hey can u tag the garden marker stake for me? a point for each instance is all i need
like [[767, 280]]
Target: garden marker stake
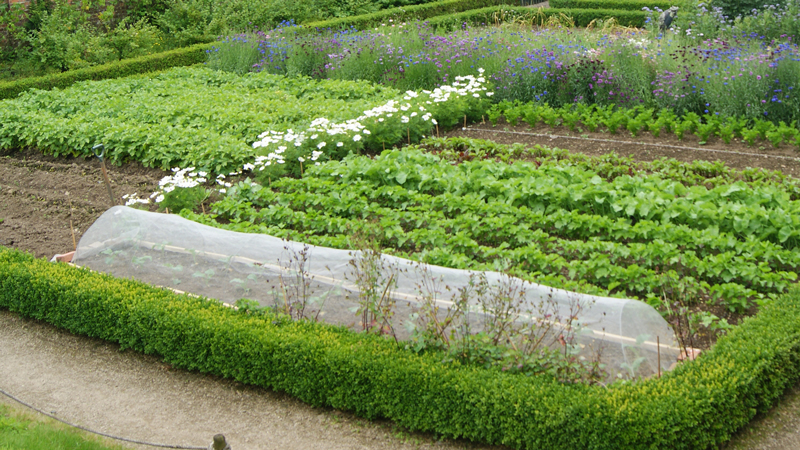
[[100, 155], [71, 226]]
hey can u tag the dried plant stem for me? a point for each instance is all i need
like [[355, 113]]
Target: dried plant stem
[[658, 346]]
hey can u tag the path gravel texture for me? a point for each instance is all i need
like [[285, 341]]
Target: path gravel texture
[[91, 383]]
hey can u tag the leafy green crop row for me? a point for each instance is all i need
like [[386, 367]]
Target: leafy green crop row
[[548, 221], [181, 117], [697, 405], [640, 119]]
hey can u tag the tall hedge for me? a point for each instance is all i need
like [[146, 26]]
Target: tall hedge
[[407, 13], [696, 406], [499, 14], [627, 5], [186, 56]]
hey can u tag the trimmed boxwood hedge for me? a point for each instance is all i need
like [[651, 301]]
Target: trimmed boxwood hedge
[[493, 14], [405, 13], [185, 56], [698, 405], [628, 5]]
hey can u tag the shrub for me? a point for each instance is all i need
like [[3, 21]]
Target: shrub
[[418, 12], [180, 57], [627, 5], [501, 14]]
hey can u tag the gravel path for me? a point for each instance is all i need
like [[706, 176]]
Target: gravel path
[[91, 383]]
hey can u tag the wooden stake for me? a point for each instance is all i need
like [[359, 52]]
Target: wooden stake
[[437, 130], [409, 135], [658, 346], [167, 210], [465, 121], [203, 208], [71, 226]]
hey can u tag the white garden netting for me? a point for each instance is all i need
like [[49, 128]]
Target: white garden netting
[[628, 336]]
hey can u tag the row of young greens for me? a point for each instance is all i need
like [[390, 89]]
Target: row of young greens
[[601, 226], [702, 402], [686, 71], [640, 119]]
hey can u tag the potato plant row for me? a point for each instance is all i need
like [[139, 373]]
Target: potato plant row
[[182, 117]]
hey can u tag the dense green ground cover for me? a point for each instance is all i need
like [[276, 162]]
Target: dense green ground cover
[[181, 117]]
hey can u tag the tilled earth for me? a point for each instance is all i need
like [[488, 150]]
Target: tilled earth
[[45, 201], [40, 196]]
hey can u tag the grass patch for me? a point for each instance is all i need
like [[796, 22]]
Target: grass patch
[[22, 430]]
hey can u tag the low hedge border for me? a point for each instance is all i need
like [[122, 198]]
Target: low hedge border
[[698, 405], [405, 13], [627, 5], [500, 14], [185, 56]]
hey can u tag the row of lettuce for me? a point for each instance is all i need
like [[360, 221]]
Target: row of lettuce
[[697, 405]]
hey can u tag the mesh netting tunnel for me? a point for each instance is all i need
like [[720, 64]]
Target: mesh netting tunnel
[[628, 336]]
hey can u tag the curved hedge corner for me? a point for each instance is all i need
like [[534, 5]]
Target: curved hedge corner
[[696, 406], [499, 14], [185, 56], [404, 13]]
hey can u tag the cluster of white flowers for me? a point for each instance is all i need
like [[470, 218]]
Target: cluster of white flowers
[[181, 178], [327, 133], [462, 86], [132, 199], [639, 43], [275, 137], [592, 53]]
